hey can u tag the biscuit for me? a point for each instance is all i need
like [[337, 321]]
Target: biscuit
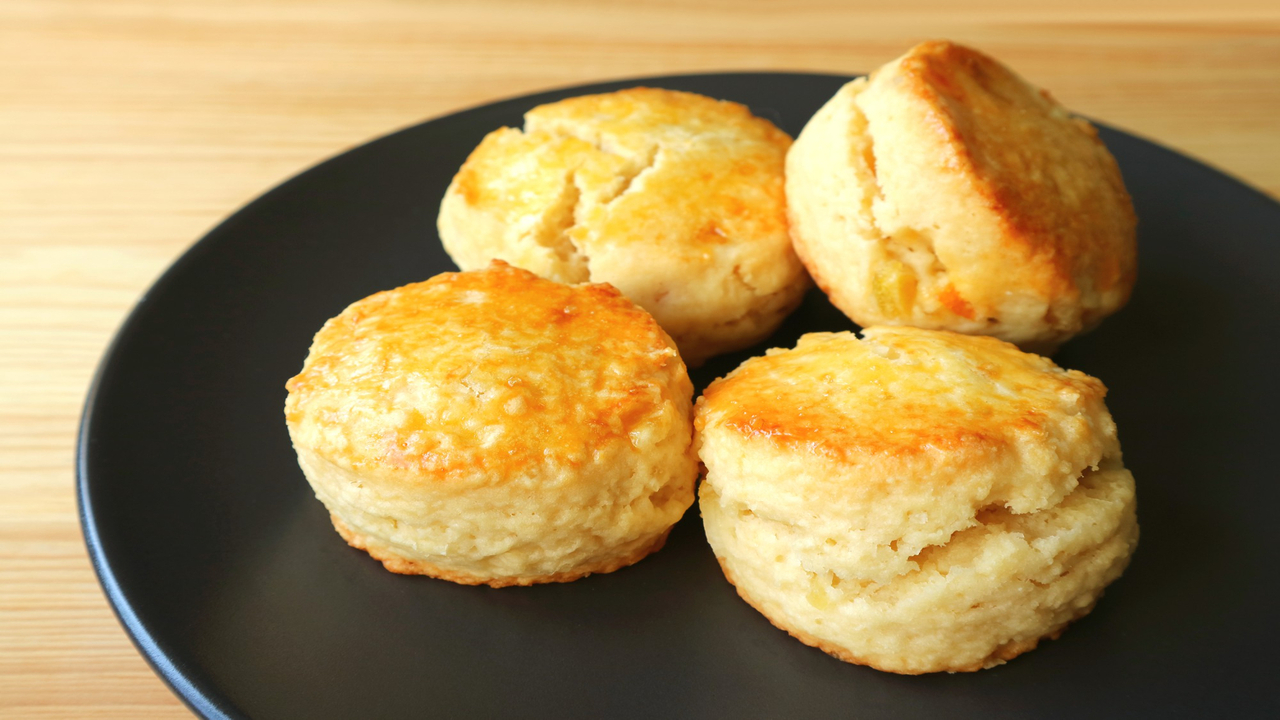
[[493, 427], [676, 199], [916, 501], [946, 192]]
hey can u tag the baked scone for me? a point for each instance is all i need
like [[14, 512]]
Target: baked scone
[[946, 192], [673, 198], [492, 427], [916, 501]]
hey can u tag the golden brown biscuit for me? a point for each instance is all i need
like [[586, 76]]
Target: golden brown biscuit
[[916, 501], [494, 427], [674, 198], [946, 192]]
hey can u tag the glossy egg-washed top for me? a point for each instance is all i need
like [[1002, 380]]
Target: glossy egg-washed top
[[483, 374], [905, 394]]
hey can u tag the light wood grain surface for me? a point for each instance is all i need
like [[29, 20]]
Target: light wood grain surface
[[128, 128]]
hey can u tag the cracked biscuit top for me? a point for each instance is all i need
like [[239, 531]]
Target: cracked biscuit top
[[947, 192], [485, 376], [674, 198]]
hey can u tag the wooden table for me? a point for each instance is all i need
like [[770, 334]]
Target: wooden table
[[128, 128]]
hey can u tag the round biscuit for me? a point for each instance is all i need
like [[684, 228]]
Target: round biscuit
[[674, 198], [946, 192], [495, 427], [916, 500]]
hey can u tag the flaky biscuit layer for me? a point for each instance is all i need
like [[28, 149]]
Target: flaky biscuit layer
[[917, 500]]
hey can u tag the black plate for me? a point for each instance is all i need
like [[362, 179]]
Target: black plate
[[225, 571]]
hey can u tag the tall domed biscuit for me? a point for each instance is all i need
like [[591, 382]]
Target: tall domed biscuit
[[676, 199], [916, 501], [494, 427], [946, 192]]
